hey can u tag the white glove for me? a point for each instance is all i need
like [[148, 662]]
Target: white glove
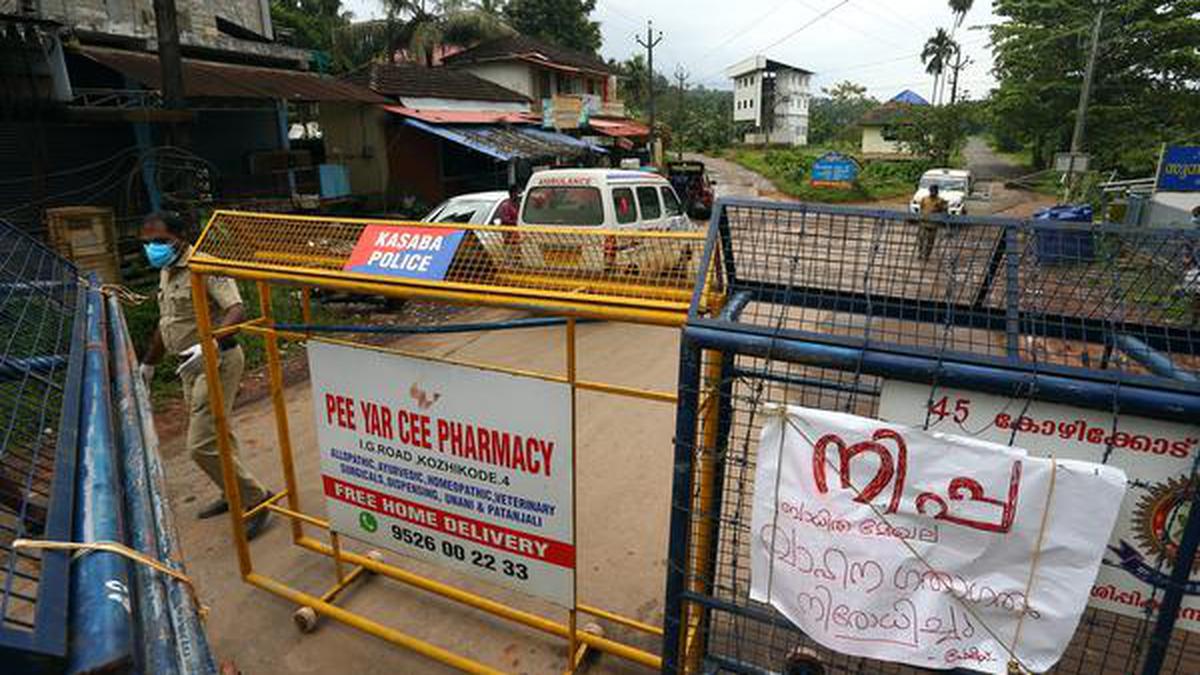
[[146, 372], [193, 361]]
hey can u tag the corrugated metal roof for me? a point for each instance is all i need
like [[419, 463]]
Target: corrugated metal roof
[[464, 116], [505, 142], [209, 79], [411, 80]]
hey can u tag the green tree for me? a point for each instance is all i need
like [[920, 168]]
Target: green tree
[[935, 133], [631, 85], [960, 9], [939, 50], [418, 27], [312, 23], [1144, 90], [566, 23], [706, 122], [834, 115]]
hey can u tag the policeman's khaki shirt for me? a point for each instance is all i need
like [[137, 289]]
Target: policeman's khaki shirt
[[177, 316]]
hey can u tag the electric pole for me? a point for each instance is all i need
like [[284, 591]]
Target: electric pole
[[170, 58], [1085, 95], [959, 64], [1085, 92], [681, 75], [651, 42]]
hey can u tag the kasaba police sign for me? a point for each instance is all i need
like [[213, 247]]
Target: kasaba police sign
[[465, 468], [411, 251]]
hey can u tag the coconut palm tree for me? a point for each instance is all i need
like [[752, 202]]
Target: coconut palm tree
[[960, 9], [418, 27], [936, 56]]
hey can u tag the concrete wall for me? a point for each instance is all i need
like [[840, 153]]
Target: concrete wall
[[874, 143], [356, 135], [747, 98], [1171, 209], [135, 18], [458, 104], [512, 75]]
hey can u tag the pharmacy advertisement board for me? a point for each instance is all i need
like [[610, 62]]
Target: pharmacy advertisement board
[[1156, 456], [465, 468]]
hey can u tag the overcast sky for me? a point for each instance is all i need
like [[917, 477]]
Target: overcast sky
[[871, 42]]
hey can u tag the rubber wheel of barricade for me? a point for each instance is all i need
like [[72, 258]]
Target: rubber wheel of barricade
[[306, 619]]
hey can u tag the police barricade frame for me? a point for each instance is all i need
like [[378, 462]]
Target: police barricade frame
[[273, 249], [713, 342]]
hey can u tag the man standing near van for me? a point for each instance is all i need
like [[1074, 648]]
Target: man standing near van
[[931, 204], [510, 209], [177, 332]]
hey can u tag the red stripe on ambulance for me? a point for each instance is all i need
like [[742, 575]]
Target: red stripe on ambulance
[[493, 536]]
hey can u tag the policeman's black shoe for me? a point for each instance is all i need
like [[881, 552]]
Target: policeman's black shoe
[[214, 509], [258, 522]]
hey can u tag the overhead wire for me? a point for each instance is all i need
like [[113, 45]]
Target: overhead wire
[[742, 31], [787, 37]]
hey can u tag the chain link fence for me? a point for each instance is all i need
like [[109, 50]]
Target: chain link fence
[[39, 383], [973, 326]]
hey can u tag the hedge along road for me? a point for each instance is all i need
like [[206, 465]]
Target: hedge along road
[[624, 482]]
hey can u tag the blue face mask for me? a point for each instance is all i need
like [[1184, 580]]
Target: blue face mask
[[159, 254]]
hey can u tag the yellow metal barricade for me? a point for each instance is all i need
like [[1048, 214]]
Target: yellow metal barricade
[[636, 277]]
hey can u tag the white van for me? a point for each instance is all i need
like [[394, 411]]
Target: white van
[[954, 185], [603, 199]]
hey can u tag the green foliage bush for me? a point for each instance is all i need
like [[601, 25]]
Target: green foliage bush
[[789, 169]]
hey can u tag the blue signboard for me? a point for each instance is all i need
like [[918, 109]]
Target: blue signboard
[[1179, 170], [834, 168]]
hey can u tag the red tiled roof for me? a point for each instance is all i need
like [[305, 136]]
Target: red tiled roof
[[618, 127], [464, 116]]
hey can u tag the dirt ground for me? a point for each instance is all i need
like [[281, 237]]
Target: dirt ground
[[624, 482]]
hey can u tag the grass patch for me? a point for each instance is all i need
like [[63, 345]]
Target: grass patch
[[788, 169]]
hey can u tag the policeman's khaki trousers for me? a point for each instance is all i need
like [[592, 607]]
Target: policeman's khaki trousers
[[202, 430]]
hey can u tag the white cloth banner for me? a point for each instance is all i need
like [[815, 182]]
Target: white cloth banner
[[886, 541]]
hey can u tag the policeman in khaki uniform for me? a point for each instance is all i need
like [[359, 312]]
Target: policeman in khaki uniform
[[162, 238]]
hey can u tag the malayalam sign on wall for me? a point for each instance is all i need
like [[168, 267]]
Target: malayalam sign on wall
[[1157, 456], [408, 251], [833, 169], [884, 541], [464, 468], [1179, 170]]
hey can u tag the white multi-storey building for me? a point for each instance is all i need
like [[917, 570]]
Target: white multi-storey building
[[773, 96]]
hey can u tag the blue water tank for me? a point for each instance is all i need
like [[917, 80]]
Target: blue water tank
[[1066, 245]]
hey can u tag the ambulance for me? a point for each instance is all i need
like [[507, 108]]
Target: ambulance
[[609, 200]]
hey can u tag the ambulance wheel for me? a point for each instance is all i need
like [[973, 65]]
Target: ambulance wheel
[[306, 619]]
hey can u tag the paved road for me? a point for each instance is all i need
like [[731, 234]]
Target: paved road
[[987, 164], [991, 169], [623, 506], [734, 180]]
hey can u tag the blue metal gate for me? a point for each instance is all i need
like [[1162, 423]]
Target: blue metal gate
[[825, 304]]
